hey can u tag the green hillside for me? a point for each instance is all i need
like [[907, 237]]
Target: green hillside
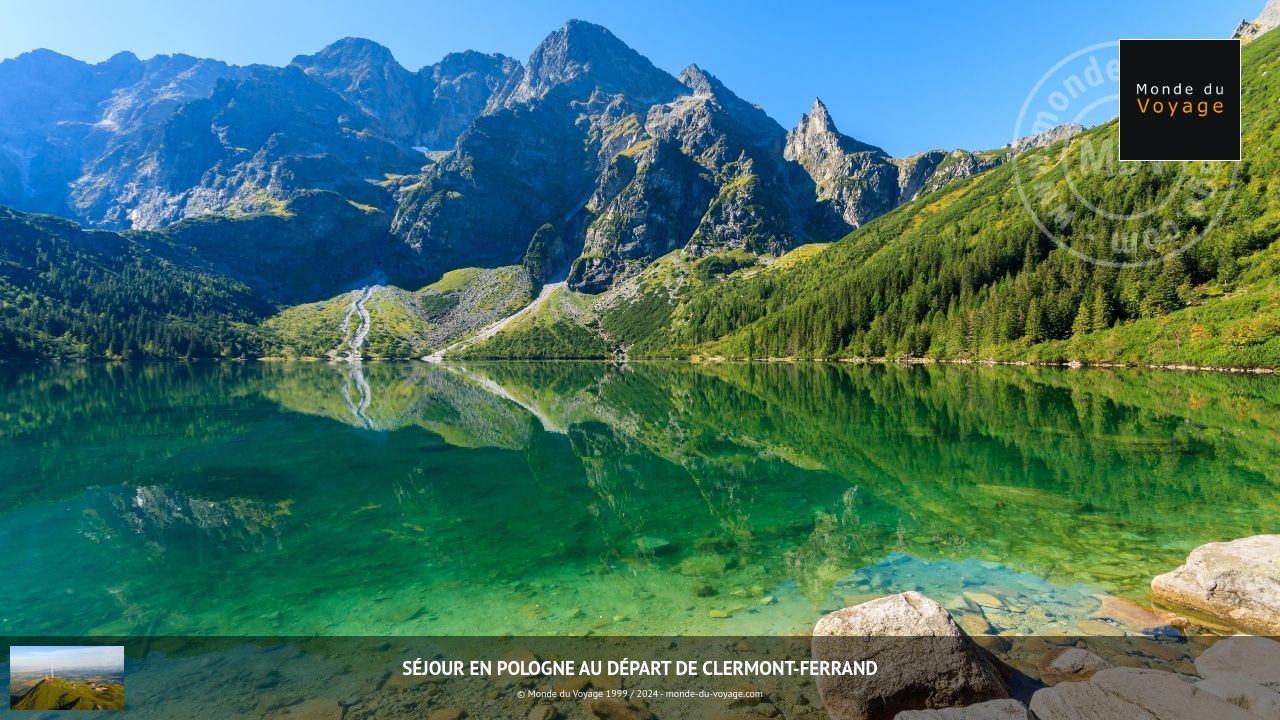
[[70, 293], [965, 274], [404, 324], [59, 694]]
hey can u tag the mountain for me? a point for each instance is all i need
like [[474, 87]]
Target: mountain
[[67, 124], [963, 273], [613, 163], [586, 163], [1268, 19], [428, 108], [585, 203], [858, 182], [59, 694], [141, 144]]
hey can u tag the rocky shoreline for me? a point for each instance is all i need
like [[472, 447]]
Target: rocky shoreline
[[938, 672]]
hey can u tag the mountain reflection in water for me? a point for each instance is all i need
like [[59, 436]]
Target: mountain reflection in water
[[584, 497]]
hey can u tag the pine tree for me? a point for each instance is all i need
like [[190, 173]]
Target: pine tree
[[1103, 310], [1161, 298], [1084, 319], [1035, 322]]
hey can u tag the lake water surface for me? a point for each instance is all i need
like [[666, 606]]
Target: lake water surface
[[567, 498]]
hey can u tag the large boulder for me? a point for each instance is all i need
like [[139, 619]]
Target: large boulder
[[1236, 583], [1254, 659], [1133, 694], [990, 710], [925, 661], [1260, 701]]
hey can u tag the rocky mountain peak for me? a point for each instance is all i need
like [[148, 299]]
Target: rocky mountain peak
[[699, 81], [817, 145], [348, 50], [819, 118], [585, 57], [1048, 137], [1266, 20]]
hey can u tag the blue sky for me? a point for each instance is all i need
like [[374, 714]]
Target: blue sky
[[40, 657], [907, 76]]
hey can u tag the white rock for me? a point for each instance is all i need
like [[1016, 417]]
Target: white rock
[[1259, 701], [1132, 694], [925, 660], [1069, 665], [1237, 583], [1255, 659]]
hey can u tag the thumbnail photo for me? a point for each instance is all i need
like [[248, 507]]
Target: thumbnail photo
[[66, 677]]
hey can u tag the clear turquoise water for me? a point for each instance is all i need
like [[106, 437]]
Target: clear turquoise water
[[563, 498]]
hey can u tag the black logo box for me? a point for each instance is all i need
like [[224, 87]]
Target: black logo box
[[1190, 65]]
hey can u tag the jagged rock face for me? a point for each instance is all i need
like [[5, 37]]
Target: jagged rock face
[[1048, 137], [132, 143], [858, 181], [649, 204], [761, 200], [1268, 19], [67, 122], [253, 145], [429, 108], [536, 154], [512, 172], [581, 59]]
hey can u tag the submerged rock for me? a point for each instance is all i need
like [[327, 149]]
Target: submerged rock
[[1069, 665], [925, 661], [1237, 583], [1124, 693]]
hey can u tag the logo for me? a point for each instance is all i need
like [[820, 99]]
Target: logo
[[1079, 192]]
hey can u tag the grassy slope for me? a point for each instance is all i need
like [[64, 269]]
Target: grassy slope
[[406, 324], [886, 289], [561, 329], [1229, 322], [59, 694]]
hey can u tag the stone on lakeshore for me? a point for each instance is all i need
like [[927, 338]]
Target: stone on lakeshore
[[990, 710], [571, 685], [1236, 583], [1256, 659], [1069, 665], [544, 712], [606, 682], [925, 661], [1125, 693], [614, 709], [1261, 701], [1162, 650]]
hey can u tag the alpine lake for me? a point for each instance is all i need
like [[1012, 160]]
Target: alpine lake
[[611, 499]]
